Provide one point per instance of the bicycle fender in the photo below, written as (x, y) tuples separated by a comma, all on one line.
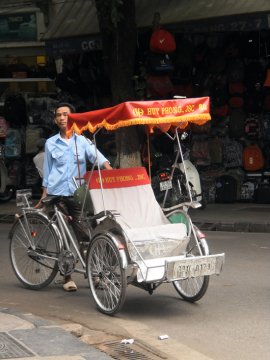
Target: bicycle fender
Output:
[(118, 244)]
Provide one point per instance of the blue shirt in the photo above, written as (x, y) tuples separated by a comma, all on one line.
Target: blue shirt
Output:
[(61, 165)]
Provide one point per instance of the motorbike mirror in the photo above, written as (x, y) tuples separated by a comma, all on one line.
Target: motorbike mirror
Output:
[(184, 136)]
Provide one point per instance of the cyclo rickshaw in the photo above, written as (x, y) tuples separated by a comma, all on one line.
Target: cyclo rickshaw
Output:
[(132, 239)]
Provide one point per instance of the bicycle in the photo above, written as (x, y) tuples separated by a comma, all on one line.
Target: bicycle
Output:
[(42, 244)]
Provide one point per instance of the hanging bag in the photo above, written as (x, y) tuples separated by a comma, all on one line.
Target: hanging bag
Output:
[(253, 158), (162, 41)]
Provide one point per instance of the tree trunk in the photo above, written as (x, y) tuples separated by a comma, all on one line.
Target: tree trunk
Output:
[(119, 34)]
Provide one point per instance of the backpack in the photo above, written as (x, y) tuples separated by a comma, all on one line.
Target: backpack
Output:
[(3, 127), (162, 41), (200, 153), (32, 135), (252, 126), (235, 70), (265, 125), (215, 150), (232, 153), (226, 189), (253, 158), (236, 101), (247, 191), (159, 86), (159, 63), (15, 110), (13, 145), (237, 123)]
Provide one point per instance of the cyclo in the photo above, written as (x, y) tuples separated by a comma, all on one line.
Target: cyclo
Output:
[(132, 240)]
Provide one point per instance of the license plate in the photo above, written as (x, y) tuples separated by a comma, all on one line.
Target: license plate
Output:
[(195, 266), (165, 185)]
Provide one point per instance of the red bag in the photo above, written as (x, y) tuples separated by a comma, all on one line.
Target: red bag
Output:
[(236, 88), (236, 102), (162, 41), (253, 159), (159, 86), (221, 110), (3, 127)]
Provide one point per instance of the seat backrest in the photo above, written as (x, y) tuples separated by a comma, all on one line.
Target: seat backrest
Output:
[(129, 192)]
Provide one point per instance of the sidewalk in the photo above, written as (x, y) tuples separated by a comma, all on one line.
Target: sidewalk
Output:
[(240, 217), (24, 336)]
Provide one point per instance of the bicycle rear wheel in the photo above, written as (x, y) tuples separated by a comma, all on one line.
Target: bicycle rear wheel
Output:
[(193, 289), (34, 256)]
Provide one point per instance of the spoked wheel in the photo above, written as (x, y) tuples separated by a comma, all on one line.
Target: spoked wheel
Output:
[(107, 279), (193, 289), (34, 252)]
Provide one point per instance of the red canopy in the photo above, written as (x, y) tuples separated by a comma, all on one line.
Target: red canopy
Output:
[(162, 114)]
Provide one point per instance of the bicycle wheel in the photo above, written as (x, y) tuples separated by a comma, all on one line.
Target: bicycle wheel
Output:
[(106, 277), (34, 260), (193, 289)]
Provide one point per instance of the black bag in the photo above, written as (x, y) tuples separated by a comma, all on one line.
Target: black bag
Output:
[(159, 63), (262, 193), (237, 123), (15, 110), (226, 189)]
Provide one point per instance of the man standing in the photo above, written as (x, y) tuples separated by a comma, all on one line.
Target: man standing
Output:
[(64, 159)]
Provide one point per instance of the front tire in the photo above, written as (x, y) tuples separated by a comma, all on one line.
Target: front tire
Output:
[(106, 277), (34, 257)]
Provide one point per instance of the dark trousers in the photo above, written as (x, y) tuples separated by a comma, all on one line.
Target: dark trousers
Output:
[(80, 227)]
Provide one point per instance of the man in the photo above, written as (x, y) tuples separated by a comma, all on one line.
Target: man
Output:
[(64, 159)]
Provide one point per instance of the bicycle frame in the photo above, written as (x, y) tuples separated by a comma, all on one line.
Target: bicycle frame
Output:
[(58, 222)]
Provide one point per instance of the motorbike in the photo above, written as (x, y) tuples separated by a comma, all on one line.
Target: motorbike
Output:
[(169, 178)]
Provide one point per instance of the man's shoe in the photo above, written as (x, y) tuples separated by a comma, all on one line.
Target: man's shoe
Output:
[(70, 286)]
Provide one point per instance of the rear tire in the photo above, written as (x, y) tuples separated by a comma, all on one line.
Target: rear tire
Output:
[(106, 277), (193, 289), (28, 262)]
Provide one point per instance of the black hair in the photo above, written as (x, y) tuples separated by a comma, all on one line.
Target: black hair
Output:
[(61, 104)]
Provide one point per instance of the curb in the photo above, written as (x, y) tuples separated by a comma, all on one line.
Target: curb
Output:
[(233, 227), (205, 225)]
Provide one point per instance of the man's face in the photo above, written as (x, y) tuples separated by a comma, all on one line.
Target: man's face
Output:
[(61, 117)]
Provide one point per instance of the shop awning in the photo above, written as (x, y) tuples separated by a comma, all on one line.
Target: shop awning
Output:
[(78, 18)]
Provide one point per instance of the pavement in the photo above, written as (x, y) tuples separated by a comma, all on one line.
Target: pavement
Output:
[(239, 217), (24, 336)]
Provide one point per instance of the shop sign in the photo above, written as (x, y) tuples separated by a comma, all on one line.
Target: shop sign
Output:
[(58, 47), (231, 23), (18, 27)]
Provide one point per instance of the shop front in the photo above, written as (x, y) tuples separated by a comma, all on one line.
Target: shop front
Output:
[(27, 91), (221, 52)]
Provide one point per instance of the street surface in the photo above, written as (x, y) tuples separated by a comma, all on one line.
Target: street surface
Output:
[(231, 322)]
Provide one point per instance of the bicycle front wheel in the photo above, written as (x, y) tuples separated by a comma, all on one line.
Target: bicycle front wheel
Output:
[(107, 278), (34, 250)]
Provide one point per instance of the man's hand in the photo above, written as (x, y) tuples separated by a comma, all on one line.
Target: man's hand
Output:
[(39, 205), (107, 165)]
